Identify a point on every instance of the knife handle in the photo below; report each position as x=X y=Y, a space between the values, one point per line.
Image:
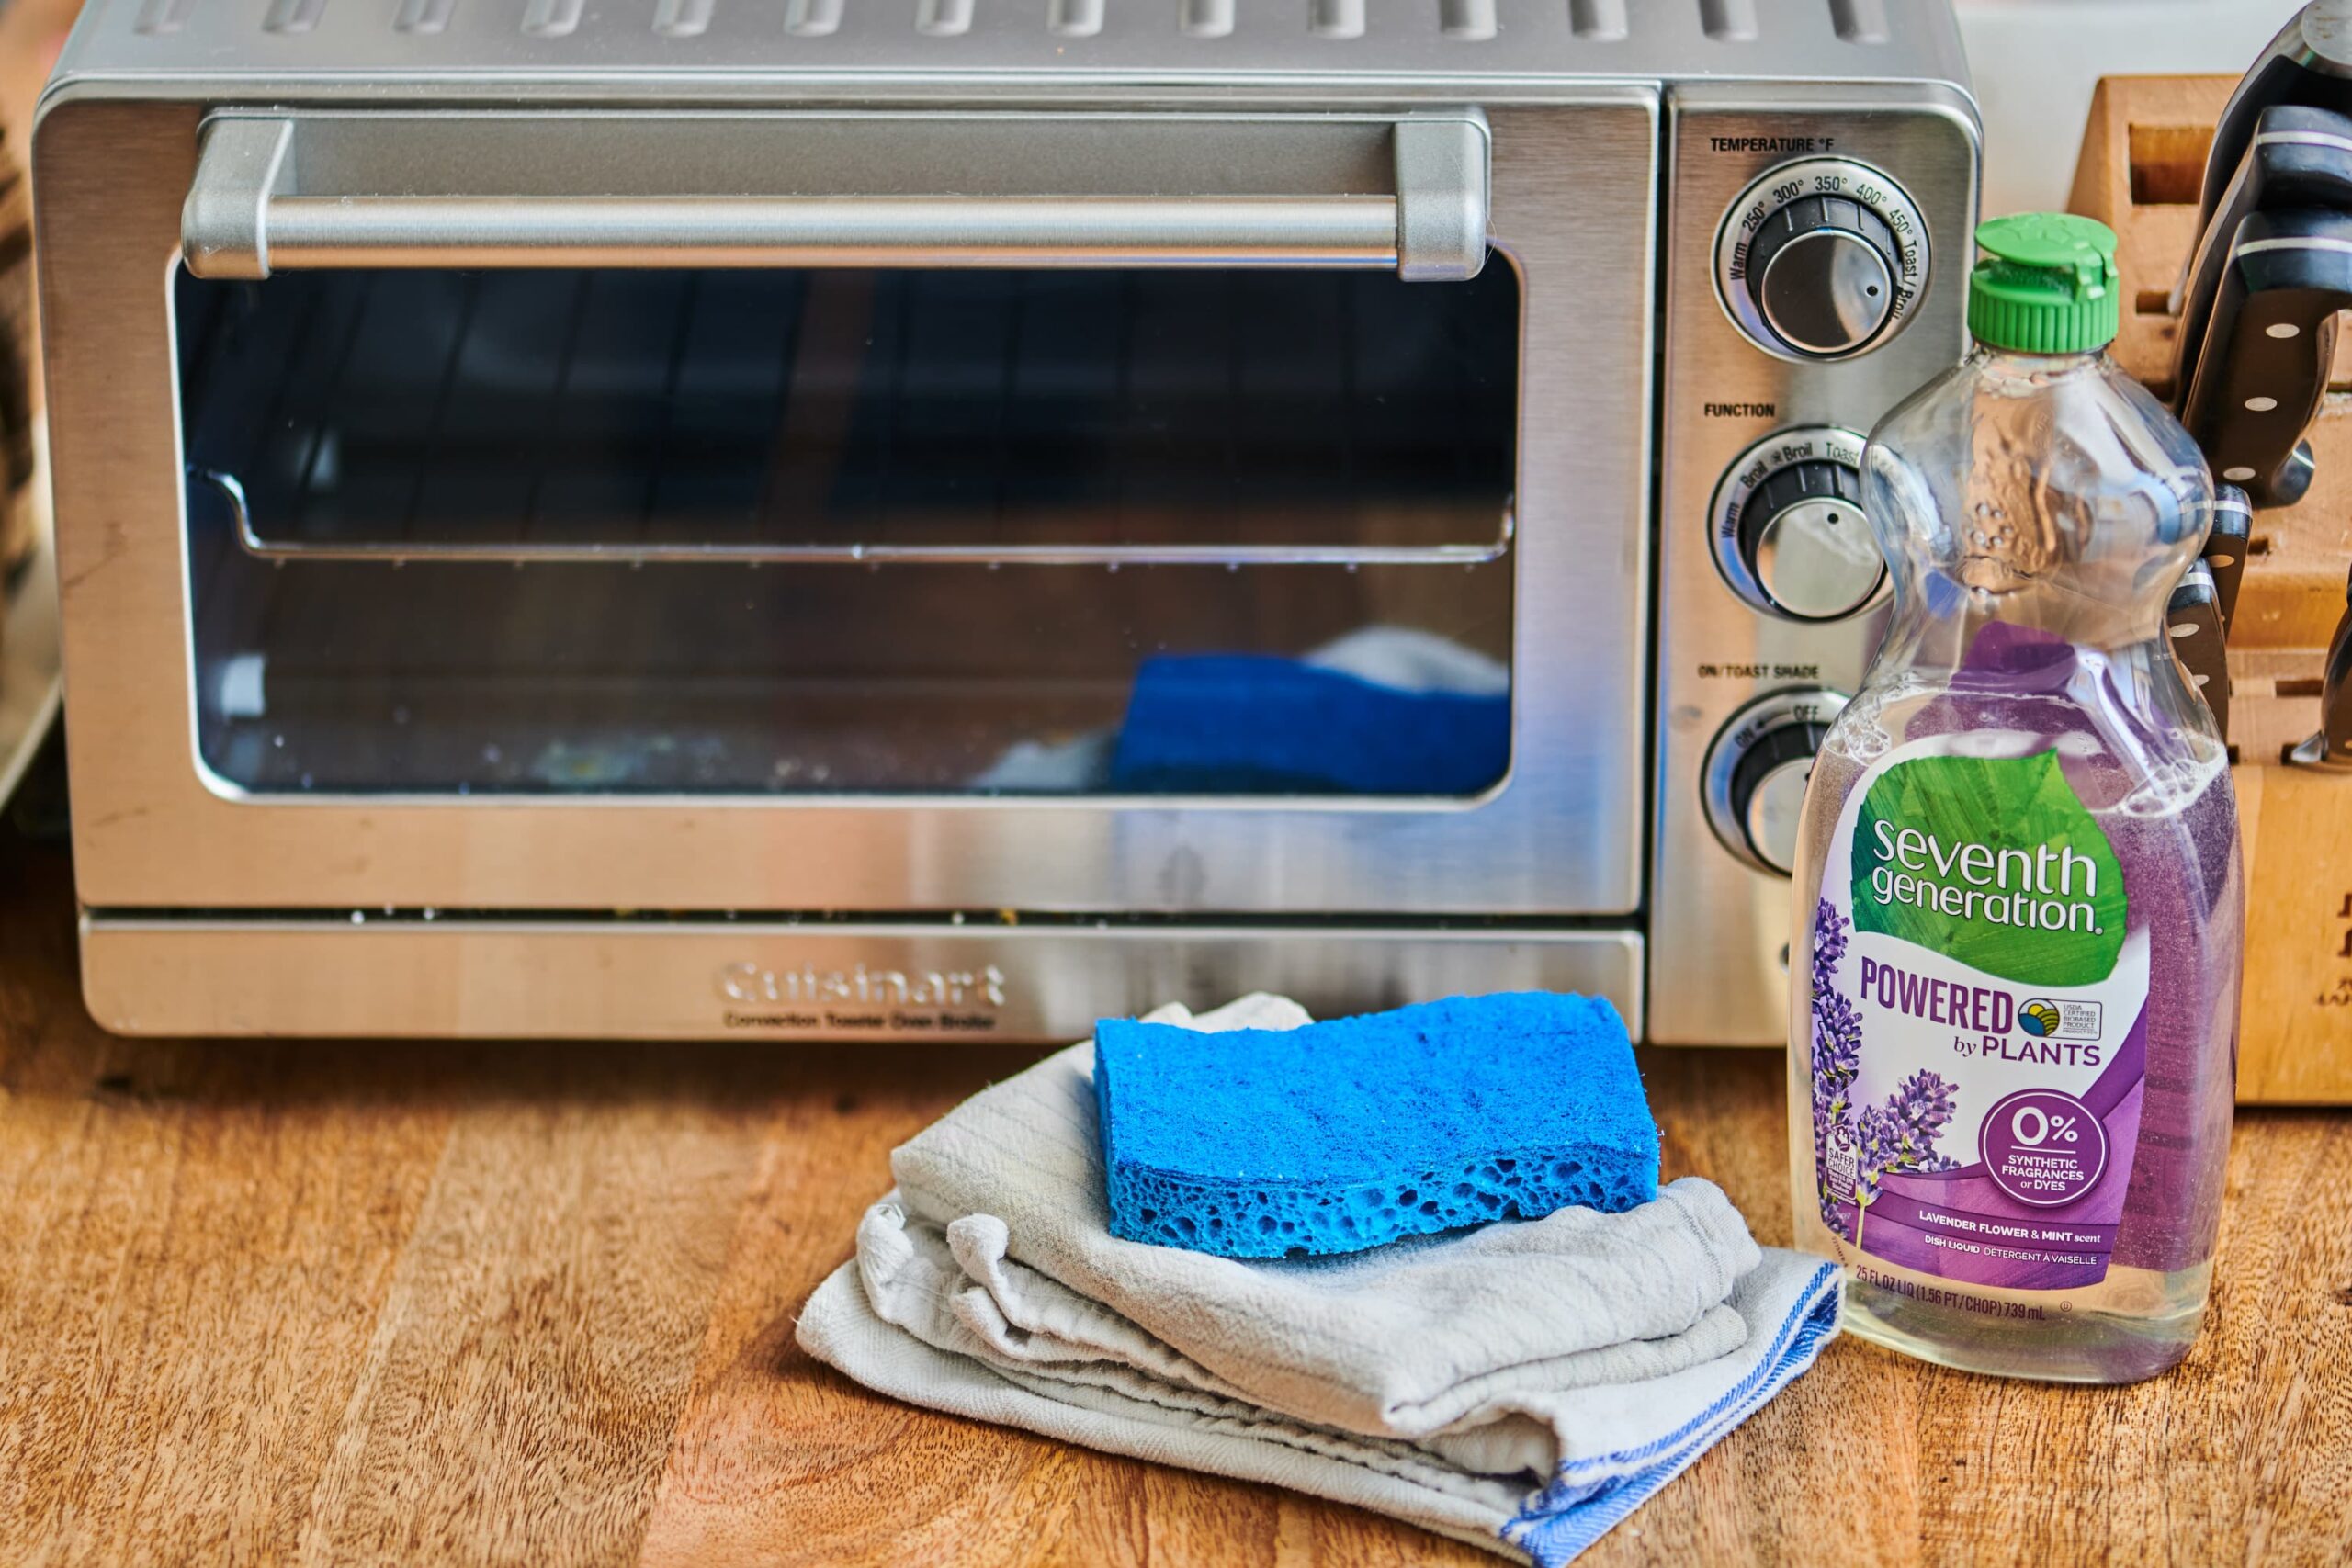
x=2194 y=620
x=2264 y=369
x=2308 y=63
x=2300 y=153
x=2300 y=156
x=2225 y=545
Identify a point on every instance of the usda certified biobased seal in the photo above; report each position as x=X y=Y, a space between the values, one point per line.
x=1979 y=1019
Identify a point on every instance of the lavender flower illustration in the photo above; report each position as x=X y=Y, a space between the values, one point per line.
x=1898 y=1135
x=1837 y=1049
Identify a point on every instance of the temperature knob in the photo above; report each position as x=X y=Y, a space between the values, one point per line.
x=1821 y=259
x=1822 y=271
x=1788 y=527
x=1757 y=772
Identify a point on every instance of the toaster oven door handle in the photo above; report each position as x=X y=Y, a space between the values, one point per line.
x=248 y=216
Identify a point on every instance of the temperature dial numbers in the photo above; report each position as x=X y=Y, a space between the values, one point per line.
x=1822 y=259
x=1788 y=528
x=1755 y=774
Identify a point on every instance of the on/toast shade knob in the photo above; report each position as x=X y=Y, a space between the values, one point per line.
x=1755 y=775
x=1822 y=272
x=1821 y=259
x=1767 y=791
x=1806 y=543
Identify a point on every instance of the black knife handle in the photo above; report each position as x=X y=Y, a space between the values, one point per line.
x=2301 y=65
x=2193 y=618
x=2300 y=156
x=2225 y=545
x=2272 y=337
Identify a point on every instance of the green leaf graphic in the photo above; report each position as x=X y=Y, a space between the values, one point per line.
x=2050 y=912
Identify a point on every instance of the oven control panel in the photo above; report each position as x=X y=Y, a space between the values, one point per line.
x=1816 y=260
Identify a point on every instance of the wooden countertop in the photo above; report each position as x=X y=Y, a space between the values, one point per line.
x=450 y=1303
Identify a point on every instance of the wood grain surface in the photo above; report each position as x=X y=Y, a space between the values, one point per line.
x=270 y=1302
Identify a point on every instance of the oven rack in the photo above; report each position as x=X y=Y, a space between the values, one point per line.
x=638 y=552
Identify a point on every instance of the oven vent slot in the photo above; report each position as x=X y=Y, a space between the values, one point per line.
x=424 y=16
x=1336 y=18
x=1207 y=18
x=1075 y=18
x=293 y=16
x=944 y=18
x=683 y=18
x=1604 y=21
x=1861 y=21
x=1728 y=21
x=163 y=16
x=1473 y=21
x=552 y=19
x=813 y=19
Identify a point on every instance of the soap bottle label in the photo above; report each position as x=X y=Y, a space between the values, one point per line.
x=1979 y=1021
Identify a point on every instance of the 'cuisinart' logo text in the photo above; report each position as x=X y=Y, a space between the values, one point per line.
x=810 y=985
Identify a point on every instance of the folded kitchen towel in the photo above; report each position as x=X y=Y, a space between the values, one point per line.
x=1522 y=1386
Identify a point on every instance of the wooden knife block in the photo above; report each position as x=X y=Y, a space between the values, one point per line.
x=2142 y=159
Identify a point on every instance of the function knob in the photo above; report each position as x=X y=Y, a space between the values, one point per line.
x=1807 y=544
x=1789 y=531
x=1821 y=259
x=1757 y=772
x=1822 y=272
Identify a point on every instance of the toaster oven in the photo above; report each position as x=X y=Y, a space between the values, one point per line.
x=952 y=518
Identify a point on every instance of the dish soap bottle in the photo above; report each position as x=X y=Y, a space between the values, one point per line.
x=2020 y=905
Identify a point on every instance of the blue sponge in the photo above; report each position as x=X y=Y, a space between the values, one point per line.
x=1223 y=722
x=1337 y=1136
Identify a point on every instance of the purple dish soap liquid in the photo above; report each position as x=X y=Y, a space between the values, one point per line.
x=2020 y=911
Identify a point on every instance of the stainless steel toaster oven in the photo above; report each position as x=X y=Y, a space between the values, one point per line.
x=957 y=517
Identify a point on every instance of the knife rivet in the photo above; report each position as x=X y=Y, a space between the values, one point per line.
x=2261 y=405
x=2238 y=474
x=2283 y=329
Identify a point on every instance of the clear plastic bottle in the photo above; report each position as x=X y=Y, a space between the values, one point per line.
x=2020 y=911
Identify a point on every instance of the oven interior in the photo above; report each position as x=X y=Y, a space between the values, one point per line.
x=1225 y=532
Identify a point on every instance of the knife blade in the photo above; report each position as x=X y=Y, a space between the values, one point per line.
x=2335 y=686
x=2300 y=157
x=2331 y=747
x=2308 y=63
x=2268 y=344
x=2194 y=620
x=2225 y=545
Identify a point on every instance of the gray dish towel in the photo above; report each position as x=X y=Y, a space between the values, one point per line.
x=1521 y=1386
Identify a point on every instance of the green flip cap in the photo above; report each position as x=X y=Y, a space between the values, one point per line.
x=2048 y=285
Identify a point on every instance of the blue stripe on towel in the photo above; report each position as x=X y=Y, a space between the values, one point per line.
x=1226 y=723
x=1589 y=1497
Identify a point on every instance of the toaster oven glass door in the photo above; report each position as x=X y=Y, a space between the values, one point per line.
x=767 y=532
